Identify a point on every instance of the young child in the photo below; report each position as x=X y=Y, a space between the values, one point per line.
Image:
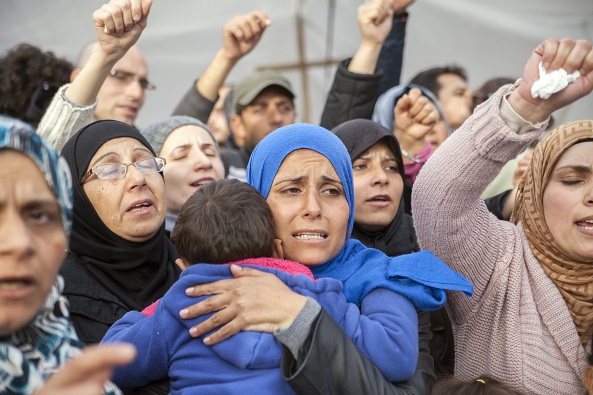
x=229 y=221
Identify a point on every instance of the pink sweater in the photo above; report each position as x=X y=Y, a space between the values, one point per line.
x=517 y=326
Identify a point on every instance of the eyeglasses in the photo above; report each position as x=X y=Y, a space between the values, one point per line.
x=112 y=171
x=127 y=78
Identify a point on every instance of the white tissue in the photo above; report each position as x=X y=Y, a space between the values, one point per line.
x=548 y=84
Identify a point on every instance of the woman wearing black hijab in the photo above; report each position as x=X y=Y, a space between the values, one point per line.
x=119 y=257
x=377 y=166
x=380 y=222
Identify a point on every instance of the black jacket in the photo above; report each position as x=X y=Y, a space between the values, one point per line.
x=195 y=105
x=351 y=96
x=330 y=363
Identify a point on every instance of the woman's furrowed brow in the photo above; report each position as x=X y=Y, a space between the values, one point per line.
x=329 y=179
x=297 y=179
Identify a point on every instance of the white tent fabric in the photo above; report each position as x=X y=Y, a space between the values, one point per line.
x=489 y=38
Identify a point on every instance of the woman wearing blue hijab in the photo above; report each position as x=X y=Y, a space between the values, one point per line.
x=304 y=172
x=420 y=276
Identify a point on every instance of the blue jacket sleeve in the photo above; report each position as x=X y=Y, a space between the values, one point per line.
x=146 y=334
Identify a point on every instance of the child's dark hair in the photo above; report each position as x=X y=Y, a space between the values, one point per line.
x=483 y=385
x=224 y=221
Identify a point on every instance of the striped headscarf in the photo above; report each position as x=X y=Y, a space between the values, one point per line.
x=29 y=356
x=572 y=275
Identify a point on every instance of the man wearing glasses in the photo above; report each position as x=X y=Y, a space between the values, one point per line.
x=122 y=94
x=112 y=74
x=111 y=77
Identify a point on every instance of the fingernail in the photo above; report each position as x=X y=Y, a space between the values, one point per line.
x=207 y=340
x=189 y=290
x=183 y=313
x=193 y=332
x=137 y=17
x=237 y=267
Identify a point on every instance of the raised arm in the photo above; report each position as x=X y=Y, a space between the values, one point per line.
x=118 y=25
x=392 y=53
x=240 y=35
x=414 y=118
x=356 y=85
x=449 y=216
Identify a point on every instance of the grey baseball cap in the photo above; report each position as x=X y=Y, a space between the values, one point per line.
x=252 y=85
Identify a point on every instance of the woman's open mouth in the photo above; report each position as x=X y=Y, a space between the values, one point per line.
x=16 y=288
x=201 y=182
x=587 y=225
x=380 y=200
x=309 y=236
x=139 y=206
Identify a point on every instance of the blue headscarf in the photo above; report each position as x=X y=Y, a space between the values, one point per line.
x=421 y=276
x=29 y=356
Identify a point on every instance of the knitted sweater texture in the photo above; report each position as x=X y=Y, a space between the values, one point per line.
x=517 y=326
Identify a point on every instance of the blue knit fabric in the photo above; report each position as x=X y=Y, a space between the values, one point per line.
x=421 y=277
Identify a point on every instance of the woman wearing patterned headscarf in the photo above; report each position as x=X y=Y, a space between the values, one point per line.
x=36 y=337
x=532 y=312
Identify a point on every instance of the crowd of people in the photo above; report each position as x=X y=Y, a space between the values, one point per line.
x=228 y=248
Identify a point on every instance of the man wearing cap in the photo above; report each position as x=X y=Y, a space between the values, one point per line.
x=263 y=102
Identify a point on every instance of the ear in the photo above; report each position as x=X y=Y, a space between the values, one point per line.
x=278 y=250
x=182 y=263
x=74 y=73
x=238 y=130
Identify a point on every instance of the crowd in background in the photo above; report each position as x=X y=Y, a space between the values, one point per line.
x=422 y=239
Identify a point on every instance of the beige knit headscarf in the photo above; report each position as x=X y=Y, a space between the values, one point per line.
x=572 y=275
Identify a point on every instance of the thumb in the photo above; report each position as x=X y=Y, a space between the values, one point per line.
x=146 y=6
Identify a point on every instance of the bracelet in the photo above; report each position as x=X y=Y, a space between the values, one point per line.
x=411 y=157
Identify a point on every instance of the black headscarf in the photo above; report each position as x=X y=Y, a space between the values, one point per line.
x=136 y=273
x=398 y=238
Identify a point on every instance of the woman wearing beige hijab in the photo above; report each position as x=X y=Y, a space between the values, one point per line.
x=529 y=322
